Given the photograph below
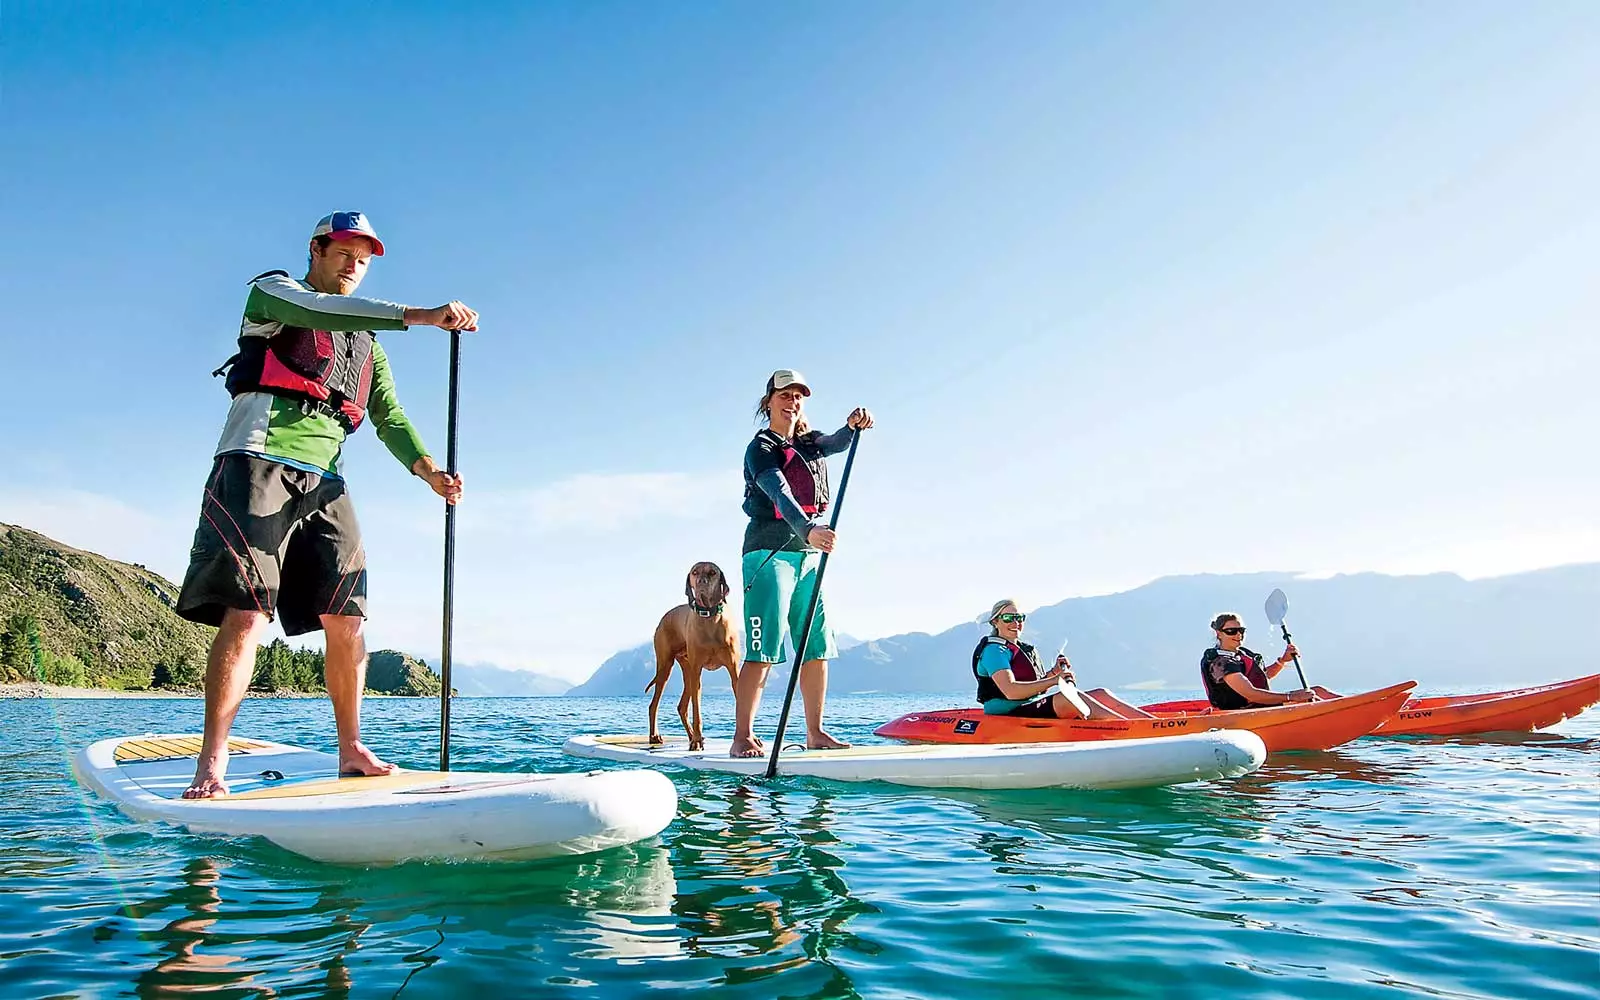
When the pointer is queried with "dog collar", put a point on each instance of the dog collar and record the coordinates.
(705, 612)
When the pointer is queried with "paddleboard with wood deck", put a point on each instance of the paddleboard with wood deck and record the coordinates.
(296, 798)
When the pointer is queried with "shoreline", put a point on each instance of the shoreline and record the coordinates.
(34, 690)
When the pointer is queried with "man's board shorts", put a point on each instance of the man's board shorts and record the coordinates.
(775, 602)
(1039, 708)
(276, 539)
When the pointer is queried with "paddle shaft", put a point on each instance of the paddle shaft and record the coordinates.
(1287, 638)
(811, 612)
(449, 556)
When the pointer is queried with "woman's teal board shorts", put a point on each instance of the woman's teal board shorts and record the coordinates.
(775, 602)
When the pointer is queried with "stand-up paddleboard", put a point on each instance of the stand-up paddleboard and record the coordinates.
(296, 799)
(1122, 764)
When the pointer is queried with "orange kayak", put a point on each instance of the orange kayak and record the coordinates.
(1519, 711)
(1314, 725)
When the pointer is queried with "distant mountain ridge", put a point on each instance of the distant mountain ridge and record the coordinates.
(1354, 631)
(485, 680)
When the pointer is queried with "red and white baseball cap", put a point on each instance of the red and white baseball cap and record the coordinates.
(348, 225)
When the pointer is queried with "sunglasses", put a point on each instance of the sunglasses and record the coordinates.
(1011, 618)
(1234, 630)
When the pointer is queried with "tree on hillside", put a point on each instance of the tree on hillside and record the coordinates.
(184, 673)
(21, 652)
(280, 667)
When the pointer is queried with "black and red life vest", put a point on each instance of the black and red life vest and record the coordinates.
(1214, 670)
(1024, 666)
(804, 468)
(325, 370)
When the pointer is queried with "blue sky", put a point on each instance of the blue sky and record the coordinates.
(1134, 289)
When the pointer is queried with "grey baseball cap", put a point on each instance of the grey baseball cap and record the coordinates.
(783, 378)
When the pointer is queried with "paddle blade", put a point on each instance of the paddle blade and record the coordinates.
(1069, 691)
(1277, 607)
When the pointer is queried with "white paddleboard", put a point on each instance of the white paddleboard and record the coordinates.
(296, 799)
(1111, 764)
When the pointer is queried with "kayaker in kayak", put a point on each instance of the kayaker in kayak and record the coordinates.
(785, 495)
(1012, 681)
(1238, 677)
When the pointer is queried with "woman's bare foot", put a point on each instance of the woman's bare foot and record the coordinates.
(207, 783)
(356, 759)
(741, 747)
(820, 740)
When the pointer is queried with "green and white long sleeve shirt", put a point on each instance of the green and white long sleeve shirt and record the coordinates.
(279, 429)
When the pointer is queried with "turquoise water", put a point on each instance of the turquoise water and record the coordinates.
(1453, 868)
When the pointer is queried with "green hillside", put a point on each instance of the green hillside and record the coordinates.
(75, 618)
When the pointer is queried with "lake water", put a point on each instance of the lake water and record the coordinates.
(1428, 868)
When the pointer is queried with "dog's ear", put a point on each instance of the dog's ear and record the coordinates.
(688, 584)
(722, 585)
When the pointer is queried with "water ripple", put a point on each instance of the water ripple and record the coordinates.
(1442, 868)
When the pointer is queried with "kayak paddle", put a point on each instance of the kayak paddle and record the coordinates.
(1068, 689)
(1278, 606)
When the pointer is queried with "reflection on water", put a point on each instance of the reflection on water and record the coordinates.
(768, 885)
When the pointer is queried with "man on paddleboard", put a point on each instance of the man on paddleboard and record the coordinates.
(277, 535)
(1235, 676)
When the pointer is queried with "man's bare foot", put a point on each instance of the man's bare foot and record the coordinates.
(207, 783)
(744, 748)
(356, 760)
(820, 740)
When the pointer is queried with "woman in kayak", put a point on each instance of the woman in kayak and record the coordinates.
(1234, 675)
(1012, 681)
(785, 496)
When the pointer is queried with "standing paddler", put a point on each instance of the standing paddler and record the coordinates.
(785, 494)
(277, 535)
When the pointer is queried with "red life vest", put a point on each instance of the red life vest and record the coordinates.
(1252, 668)
(1024, 666)
(802, 480)
(326, 370)
(807, 477)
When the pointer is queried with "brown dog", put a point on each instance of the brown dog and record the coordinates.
(697, 636)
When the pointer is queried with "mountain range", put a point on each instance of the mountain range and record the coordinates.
(1354, 632)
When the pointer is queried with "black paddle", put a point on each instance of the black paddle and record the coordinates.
(449, 555)
(811, 612)
(1278, 606)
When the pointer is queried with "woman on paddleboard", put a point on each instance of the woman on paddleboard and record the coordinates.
(1012, 681)
(785, 496)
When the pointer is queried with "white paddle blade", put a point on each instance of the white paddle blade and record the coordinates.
(1069, 691)
(1277, 607)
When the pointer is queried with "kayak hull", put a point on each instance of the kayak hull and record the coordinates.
(1518, 711)
(1310, 726)
(1521, 710)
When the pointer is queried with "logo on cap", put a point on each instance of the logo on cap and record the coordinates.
(344, 225)
(783, 378)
